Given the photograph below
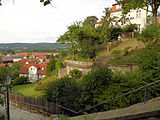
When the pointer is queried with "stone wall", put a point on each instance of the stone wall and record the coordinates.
(62, 72)
(85, 67)
(123, 68)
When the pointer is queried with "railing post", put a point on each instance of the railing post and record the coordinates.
(58, 112)
(145, 91)
(110, 105)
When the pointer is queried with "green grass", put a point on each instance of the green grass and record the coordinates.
(27, 90)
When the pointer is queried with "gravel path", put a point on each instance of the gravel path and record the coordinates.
(18, 114)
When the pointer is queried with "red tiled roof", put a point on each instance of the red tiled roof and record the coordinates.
(41, 69)
(33, 61)
(2, 65)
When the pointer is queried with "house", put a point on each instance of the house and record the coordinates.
(34, 72)
(28, 61)
(137, 16)
(7, 59)
(16, 57)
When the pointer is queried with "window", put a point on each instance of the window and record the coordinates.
(138, 14)
(138, 27)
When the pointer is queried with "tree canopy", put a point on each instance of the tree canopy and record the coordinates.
(133, 4)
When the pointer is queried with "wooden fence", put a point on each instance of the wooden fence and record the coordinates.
(34, 105)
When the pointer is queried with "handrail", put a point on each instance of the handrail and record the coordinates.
(111, 98)
(78, 112)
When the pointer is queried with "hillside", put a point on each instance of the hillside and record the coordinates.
(33, 46)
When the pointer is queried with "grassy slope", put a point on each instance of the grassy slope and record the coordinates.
(124, 44)
(27, 90)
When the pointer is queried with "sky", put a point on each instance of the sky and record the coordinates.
(28, 21)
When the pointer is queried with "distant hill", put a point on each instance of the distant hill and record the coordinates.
(33, 46)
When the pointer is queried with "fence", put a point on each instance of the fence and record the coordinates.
(49, 107)
(35, 105)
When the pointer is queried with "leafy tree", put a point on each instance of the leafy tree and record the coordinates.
(70, 36)
(51, 65)
(88, 38)
(133, 4)
(107, 24)
(90, 21)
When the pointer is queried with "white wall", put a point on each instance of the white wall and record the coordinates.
(134, 17)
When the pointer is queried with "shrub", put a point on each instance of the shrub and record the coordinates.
(113, 34)
(93, 84)
(75, 73)
(65, 92)
(20, 80)
(151, 33)
(129, 28)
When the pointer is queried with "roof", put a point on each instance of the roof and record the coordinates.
(2, 65)
(33, 61)
(41, 69)
(7, 58)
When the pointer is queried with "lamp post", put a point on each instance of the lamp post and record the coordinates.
(7, 83)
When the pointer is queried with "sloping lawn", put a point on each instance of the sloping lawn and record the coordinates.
(27, 90)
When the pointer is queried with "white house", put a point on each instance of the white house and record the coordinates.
(137, 16)
(34, 72)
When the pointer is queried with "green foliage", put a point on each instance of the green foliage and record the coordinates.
(116, 53)
(20, 80)
(64, 91)
(51, 66)
(75, 73)
(88, 38)
(58, 65)
(43, 83)
(127, 5)
(90, 21)
(129, 28)
(93, 84)
(151, 33)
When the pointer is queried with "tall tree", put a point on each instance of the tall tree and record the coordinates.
(70, 36)
(133, 4)
(90, 21)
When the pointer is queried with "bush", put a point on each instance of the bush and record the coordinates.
(75, 73)
(129, 28)
(20, 80)
(65, 92)
(93, 84)
(151, 33)
(113, 34)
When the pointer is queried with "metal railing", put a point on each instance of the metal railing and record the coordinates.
(110, 100)
(94, 106)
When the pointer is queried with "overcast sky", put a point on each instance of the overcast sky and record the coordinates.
(28, 21)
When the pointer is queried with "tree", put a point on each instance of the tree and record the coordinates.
(70, 36)
(51, 65)
(90, 21)
(133, 4)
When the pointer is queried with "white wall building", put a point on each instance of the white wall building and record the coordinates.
(137, 16)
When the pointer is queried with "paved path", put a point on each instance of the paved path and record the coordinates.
(149, 107)
(18, 114)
